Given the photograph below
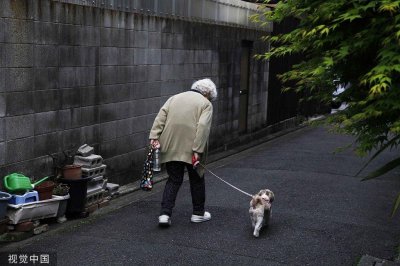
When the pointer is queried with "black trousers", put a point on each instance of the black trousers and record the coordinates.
(176, 172)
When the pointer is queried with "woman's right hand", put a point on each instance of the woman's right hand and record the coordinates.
(196, 156)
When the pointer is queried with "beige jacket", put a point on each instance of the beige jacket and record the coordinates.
(183, 126)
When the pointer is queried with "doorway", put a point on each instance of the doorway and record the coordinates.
(244, 84)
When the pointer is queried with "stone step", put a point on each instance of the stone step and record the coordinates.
(112, 189)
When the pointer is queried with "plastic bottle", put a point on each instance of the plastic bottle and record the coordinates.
(156, 163)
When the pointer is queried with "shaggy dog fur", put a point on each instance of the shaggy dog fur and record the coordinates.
(260, 210)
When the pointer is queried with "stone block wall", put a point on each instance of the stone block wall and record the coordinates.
(72, 74)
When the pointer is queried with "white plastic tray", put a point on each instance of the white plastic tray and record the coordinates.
(34, 210)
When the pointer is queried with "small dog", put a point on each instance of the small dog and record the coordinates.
(260, 210)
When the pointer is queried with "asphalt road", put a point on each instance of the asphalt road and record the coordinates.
(322, 214)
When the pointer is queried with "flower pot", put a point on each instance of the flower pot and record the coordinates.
(45, 190)
(72, 171)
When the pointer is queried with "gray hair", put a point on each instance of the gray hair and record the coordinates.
(205, 87)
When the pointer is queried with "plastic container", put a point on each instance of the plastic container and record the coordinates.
(45, 190)
(16, 182)
(4, 198)
(157, 161)
(33, 210)
(30, 196)
(62, 208)
(77, 195)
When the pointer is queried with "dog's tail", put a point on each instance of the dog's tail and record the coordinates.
(255, 201)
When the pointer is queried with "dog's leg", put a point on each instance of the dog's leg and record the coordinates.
(257, 227)
(253, 222)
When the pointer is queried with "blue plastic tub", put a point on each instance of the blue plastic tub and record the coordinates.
(4, 198)
(30, 196)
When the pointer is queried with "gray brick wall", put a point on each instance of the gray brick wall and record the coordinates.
(72, 74)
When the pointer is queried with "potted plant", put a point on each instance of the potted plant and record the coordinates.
(71, 175)
(63, 166)
(61, 190)
(45, 190)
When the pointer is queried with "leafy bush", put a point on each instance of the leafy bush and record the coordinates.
(352, 42)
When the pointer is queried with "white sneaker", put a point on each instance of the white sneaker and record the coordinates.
(200, 218)
(164, 220)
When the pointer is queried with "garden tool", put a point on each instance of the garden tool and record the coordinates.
(17, 182)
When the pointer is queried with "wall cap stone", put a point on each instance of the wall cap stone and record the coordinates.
(234, 13)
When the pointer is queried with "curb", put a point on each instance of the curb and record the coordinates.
(367, 260)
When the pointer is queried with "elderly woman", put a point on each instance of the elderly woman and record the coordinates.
(181, 131)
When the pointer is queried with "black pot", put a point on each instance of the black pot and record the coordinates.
(77, 195)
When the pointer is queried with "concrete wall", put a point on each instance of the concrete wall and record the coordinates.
(72, 74)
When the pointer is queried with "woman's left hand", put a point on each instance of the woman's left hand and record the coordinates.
(155, 143)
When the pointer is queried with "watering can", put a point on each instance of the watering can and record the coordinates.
(16, 182)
